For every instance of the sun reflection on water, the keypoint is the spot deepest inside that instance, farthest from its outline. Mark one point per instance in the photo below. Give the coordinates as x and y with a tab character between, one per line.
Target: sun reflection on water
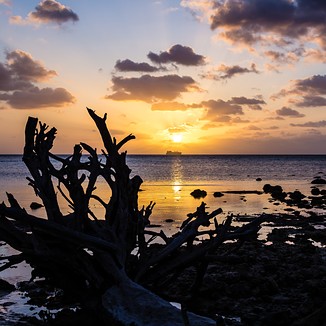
176	170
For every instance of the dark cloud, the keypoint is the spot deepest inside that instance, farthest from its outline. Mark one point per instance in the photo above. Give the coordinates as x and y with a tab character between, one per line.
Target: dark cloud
150	89
312	101
313	85
308	92
53	11
220	111
219	107
128	65
311	124
247	101
18	76
178	54
227	72
10	81
255	107
252	103
23	65
251	21
21	70
38	98
287	112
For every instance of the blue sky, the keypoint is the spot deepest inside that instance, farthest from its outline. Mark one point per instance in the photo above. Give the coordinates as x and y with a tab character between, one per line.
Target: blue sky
204	76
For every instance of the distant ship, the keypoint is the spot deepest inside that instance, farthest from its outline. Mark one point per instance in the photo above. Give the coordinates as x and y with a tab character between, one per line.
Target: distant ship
174	153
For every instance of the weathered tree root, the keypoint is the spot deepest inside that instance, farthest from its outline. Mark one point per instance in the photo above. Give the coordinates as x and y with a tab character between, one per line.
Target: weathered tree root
95	252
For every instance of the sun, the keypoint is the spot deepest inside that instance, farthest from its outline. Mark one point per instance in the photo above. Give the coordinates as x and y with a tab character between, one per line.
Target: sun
177	138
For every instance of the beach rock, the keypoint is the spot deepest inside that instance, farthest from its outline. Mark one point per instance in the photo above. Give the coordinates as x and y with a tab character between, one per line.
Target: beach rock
218	194
169	220
270	189
319	181
267	188
259	179
316	201
198	193
296	196
315	191
275	191
6	287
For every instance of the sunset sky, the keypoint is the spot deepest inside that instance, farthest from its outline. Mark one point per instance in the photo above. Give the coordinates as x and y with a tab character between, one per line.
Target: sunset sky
199	76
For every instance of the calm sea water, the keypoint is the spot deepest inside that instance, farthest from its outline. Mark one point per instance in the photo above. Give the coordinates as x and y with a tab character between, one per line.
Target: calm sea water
169	180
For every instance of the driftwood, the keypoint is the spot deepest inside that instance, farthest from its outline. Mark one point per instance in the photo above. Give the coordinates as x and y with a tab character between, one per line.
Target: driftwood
111	253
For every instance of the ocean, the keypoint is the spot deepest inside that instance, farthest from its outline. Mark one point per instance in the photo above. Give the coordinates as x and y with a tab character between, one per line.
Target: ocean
169	180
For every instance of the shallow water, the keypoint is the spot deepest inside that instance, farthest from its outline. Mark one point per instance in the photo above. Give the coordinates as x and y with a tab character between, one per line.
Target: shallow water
168	181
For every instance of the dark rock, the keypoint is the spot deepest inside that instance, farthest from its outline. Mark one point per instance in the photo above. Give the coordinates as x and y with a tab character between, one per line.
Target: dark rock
218	194
277	188
318	181
315	191
259	179
35	205
316	201
267	188
279	195
275	191
5	286
169	220
198	193
297	196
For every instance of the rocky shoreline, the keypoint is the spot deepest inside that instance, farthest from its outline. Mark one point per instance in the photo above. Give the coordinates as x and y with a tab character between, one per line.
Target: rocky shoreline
280	280
277	279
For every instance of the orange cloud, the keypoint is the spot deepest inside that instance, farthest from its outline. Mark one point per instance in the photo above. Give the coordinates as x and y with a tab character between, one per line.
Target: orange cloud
149	88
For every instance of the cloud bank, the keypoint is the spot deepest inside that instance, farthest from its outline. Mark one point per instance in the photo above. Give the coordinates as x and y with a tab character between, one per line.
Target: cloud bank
178	54
286	24
18	76
150	89
308	92
47	11
288	112
250	20
129	65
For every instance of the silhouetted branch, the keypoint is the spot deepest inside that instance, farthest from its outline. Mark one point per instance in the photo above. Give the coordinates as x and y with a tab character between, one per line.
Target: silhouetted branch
100	250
